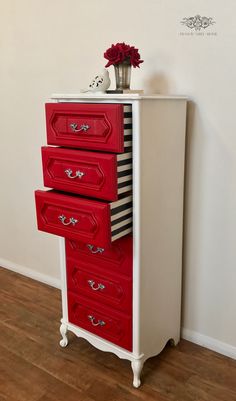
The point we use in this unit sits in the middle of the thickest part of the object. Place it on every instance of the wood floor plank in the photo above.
(24, 381)
(53, 359)
(33, 367)
(17, 377)
(198, 386)
(212, 369)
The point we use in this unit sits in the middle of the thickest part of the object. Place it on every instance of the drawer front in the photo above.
(87, 126)
(118, 258)
(81, 172)
(83, 219)
(110, 290)
(105, 322)
(73, 217)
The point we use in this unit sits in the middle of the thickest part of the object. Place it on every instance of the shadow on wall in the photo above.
(189, 193)
(157, 84)
(189, 139)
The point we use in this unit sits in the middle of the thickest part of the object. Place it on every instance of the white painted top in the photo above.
(113, 96)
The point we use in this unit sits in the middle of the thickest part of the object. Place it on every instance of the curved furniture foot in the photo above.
(137, 366)
(63, 331)
(173, 342)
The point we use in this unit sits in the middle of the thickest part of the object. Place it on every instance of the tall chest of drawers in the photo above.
(115, 164)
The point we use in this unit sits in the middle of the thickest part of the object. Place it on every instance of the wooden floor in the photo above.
(34, 367)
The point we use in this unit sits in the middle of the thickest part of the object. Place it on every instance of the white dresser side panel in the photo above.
(162, 153)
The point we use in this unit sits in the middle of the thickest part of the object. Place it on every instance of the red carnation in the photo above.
(125, 49)
(114, 55)
(135, 57)
(120, 52)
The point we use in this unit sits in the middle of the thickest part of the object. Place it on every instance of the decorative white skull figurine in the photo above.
(100, 83)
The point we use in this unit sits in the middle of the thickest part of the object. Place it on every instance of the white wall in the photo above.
(50, 46)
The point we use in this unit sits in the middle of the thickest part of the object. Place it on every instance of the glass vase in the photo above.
(122, 75)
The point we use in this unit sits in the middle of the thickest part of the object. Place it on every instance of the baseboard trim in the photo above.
(209, 342)
(25, 271)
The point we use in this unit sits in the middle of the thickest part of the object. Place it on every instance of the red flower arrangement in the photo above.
(120, 53)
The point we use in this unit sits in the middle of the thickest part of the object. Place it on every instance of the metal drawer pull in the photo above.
(78, 174)
(83, 127)
(93, 250)
(99, 322)
(72, 221)
(99, 286)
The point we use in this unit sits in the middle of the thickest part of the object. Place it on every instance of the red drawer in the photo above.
(111, 290)
(118, 258)
(99, 175)
(82, 219)
(87, 126)
(103, 321)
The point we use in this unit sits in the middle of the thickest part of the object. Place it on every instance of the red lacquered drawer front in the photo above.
(78, 218)
(118, 258)
(108, 289)
(103, 321)
(86, 173)
(73, 217)
(88, 126)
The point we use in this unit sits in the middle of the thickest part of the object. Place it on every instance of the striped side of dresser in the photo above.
(121, 217)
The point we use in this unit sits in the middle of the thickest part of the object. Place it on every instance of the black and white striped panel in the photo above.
(121, 210)
(127, 126)
(124, 172)
(121, 217)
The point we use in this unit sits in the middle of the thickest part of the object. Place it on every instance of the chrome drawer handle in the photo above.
(98, 323)
(78, 174)
(99, 286)
(93, 250)
(83, 127)
(63, 218)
